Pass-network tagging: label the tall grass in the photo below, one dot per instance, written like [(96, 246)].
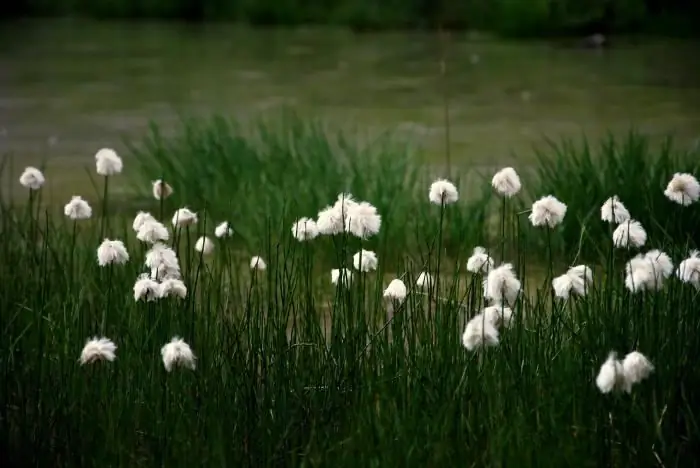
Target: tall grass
[(294, 372)]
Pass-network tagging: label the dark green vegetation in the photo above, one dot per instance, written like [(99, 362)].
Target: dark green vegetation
[(512, 17)]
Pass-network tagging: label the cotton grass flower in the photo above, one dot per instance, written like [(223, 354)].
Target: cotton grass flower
[(163, 262), (152, 231), (204, 245), (689, 269), (480, 261), (184, 217), (332, 219), (683, 189), (636, 367), (443, 192), (305, 229), (161, 190), (223, 230), (142, 218), (146, 289), (365, 261), (648, 271), (506, 182), (362, 220), (498, 315), (112, 252), (173, 288), (77, 208), (108, 162), (613, 211), (425, 280), (177, 353), (32, 178), (501, 285), (547, 211), (257, 263), (479, 333), (396, 291), (629, 234), (98, 349), (342, 276), (611, 375), (576, 280)]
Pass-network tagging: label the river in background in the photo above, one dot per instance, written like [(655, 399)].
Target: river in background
[(68, 87)]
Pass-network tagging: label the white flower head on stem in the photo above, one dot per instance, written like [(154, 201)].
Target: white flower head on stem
[(305, 229), (501, 285), (479, 333), (636, 367), (112, 252), (396, 291), (223, 230), (141, 218), (689, 269), (204, 245), (425, 280), (443, 192), (173, 288), (365, 261), (177, 353), (547, 211), (161, 190), (648, 271), (362, 220), (577, 279), (330, 221), (506, 182), (683, 189), (32, 178), (151, 231), (342, 276), (98, 349), (613, 211), (257, 263), (499, 315), (629, 234), (77, 208), (480, 261), (184, 217), (108, 162), (163, 262), (611, 375), (146, 289)]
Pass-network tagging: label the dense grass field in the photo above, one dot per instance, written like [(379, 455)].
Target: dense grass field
[(293, 365)]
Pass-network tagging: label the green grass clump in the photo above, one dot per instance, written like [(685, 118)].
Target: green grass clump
[(292, 371)]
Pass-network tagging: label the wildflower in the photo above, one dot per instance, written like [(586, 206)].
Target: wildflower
[(223, 230), (152, 231), (362, 220), (112, 251), (184, 217), (330, 221), (648, 271), (146, 289), (501, 285), (611, 375), (506, 182), (689, 269), (257, 263), (635, 367), (661, 263), (577, 280), (341, 276), (77, 208), (204, 245), (683, 189), (547, 211), (108, 162), (141, 218), (613, 211), (163, 262), (98, 349), (480, 261), (173, 287), (32, 178), (161, 190), (425, 280), (304, 229), (499, 315), (365, 261), (396, 291), (479, 333), (629, 233), (177, 353), (443, 192)]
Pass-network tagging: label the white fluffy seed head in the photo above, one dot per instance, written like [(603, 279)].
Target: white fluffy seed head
[(443, 192), (396, 291), (141, 218), (648, 271), (223, 230), (330, 221), (501, 285), (161, 189), (547, 211), (184, 217), (480, 261), (112, 252), (32, 178), (98, 349), (479, 333), (576, 280), (204, 245), (163, 262), (152, 231), (362, 220), (629, 234), (689, 269), (77, 208), (146, 289), (636, 367), (611, 375), (613, 211), (173, 288), (365, 261), (305, 229), (683, 189), (498, 315), (342, 276), (177, 353), (108, 162), (425, 280), (506, 182), (562, 286), (257, 263)]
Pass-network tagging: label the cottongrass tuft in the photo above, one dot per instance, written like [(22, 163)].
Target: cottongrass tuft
[(689, 269), (648, 271), (223, 230), (611, 375), (161, 190), (257, 263), (98, 349), (330, 221), (576, 280), (173, 288), (362, 220), (506, 182), (396, 291), (499, 315), (146, 289), (636, 367), (365, 261), (108, 162), (184, 217), (32, 178), (163, 262), (305, 229), (77, 208), (629, 233), (613, 211), (480, 332), (547, 211), (152, 231), (334, 219), (112, 252), (443, 192), (683, 189), (142, 218), (177, 353), (342, 276), (204, 245), (480, 261), (425, 280), (622, 375), (501, 286)]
